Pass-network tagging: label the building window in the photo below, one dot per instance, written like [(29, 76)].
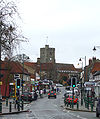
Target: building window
[(50, 53)]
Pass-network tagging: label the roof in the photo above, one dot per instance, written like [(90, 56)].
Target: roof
[(96, 67), (31, 67), (30, 64), (46, 66), (15, 67), (69, 67)]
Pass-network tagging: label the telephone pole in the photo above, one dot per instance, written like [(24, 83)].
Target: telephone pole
[(0, 69)]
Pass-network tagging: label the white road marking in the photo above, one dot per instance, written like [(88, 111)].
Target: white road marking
[(78, 116)]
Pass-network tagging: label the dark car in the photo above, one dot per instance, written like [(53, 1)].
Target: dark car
[(67, 88), (26, 96), (98, 108), (52, 94)]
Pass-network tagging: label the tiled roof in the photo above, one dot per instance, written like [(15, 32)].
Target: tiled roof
[(79, 69), (69, 67), (31, 67), (30, 64), (46, 66), (96, 67), (15, 67)]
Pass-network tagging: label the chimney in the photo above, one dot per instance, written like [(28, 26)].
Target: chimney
[(38, 60), (90, 61), (94, 59)]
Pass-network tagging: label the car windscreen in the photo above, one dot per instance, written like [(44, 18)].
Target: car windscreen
[(27, 93)]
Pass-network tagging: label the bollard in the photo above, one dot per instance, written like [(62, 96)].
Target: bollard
[(18, 105), (81, 101), (22, 105), (91, 106), (77, 104), (15, 104), (72, 103), (88, 105), (67, 103), (0, 105), (10, 106), (6, 102)]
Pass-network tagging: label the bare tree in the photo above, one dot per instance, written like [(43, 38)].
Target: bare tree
[(9, 34), (20, 58)]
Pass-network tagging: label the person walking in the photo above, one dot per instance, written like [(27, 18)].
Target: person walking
[(35, 95)]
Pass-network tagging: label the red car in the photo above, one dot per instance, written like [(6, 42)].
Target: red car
[(70, 97), (52, 94)]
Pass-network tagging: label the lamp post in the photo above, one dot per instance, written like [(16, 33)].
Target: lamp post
[(22, 79), (82, 81), (0, 69), (23, 59), (94, 49), (23, 74), (83, 68)]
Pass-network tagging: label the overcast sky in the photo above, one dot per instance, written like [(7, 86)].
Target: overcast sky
[(72, 27)]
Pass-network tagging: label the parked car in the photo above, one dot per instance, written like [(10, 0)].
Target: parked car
[(76, 91), (59, 85), (26, 96), (67, 88), (52, 94), (67, 93), (98, 108), (70, 98)]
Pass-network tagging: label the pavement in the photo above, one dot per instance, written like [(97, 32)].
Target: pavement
[(6, 110), (81, 107)]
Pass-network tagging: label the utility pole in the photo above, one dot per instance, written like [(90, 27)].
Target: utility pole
[(0, 69), (22, 80)]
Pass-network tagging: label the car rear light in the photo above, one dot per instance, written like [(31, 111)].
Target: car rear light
[(48, 93), (55, 94), (22, 95)]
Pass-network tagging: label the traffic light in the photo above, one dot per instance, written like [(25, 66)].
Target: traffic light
[(22, 83), (18, 83), (74, 82)]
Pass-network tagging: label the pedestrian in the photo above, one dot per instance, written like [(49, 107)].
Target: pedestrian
[(57, 89), (44, 91), (35, 95), (41, 92)]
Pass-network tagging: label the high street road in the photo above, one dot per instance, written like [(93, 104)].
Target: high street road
[(52, 108)]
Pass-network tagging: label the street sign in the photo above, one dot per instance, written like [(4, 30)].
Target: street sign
[(16, 76)]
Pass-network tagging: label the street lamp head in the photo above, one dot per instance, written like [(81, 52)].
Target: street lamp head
[(94, 49), (80, 59)]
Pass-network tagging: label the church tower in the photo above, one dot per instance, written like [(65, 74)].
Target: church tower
[(47, 54)]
